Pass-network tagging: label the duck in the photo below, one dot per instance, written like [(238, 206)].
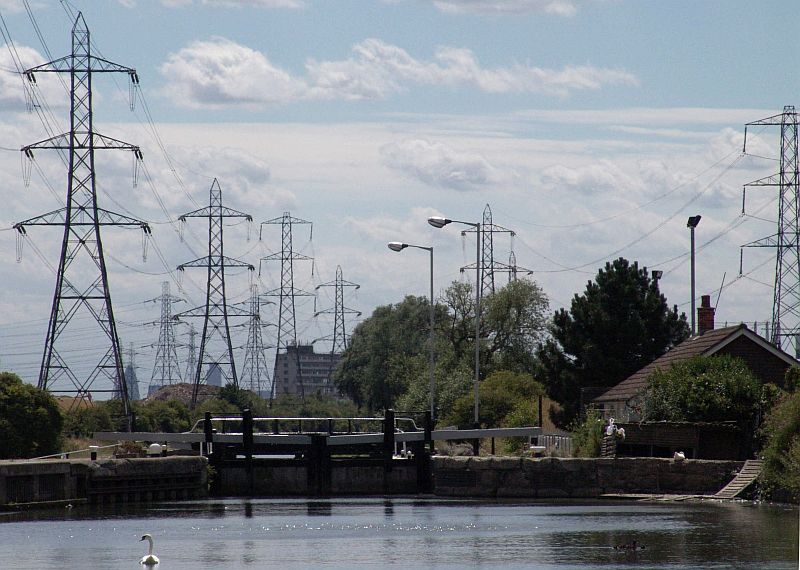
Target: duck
[(151, 559), (632, 546)]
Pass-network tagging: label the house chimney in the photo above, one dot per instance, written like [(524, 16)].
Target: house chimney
[(705, 315)]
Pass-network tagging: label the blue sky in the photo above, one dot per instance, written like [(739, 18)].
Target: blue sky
[(593, 128)]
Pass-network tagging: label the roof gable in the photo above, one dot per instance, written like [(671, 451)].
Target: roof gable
[(706, 344)]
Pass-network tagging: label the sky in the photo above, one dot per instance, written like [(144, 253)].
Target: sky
[(592, 128)]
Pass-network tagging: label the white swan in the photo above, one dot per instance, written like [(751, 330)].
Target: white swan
[(151, 559)]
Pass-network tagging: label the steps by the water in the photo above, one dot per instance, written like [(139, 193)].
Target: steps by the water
[(749, 473)]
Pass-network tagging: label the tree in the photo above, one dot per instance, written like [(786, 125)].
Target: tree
[(781, 452), (386, 362), (382, 356), (30, 421), (503, 395), (620, 323), (704, 389)]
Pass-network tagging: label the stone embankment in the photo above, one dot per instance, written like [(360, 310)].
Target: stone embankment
[(496, 477), (101, 481)]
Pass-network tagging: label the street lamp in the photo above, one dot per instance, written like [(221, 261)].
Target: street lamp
[(692, 224), (400, 246), (440, 222)]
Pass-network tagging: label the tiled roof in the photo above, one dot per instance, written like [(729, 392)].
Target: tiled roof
[(693, 346)]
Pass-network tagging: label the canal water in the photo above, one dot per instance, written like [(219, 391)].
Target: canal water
[(403, 533)]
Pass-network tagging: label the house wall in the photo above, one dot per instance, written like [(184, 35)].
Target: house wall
[(766, 367)]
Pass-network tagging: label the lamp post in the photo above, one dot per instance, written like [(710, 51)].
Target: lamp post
[(692, 224), (440, 222), (400, 246)]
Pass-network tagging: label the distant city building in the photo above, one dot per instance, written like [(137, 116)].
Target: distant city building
[(315, 371), (214, 375)]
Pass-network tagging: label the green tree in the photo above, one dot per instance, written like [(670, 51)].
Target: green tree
[(704, 389), (620, 323), (781, 452), (30, 421), (503, 395), (169, 416), (379, 362)]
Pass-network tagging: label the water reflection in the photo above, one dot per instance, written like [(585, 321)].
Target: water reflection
[(319, 508), (413, 534)]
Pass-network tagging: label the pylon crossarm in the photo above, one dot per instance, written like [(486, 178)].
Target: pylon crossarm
[(94, 64), (769, 241), (54, 218), (281, 256), (771, 180), (293, 292), (65, 141), (205, 261), (773, 120)]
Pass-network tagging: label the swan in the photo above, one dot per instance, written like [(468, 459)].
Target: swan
[(151, 559)]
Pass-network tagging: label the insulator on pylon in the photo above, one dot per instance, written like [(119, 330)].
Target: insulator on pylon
[(741, 258), (19, 244), (136, 160), (133, 85), (181, 228), (744, 193), (145, 245), (249, 228), (27, 166)]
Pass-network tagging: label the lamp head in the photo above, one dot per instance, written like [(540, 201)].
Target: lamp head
[(438, 221), (693, 221), (397, 246)]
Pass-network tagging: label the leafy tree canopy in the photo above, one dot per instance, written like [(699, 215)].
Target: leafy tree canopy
[(704, 389), (30, 421), (620, 323), (386, 364), (503, 396), (781, 452)]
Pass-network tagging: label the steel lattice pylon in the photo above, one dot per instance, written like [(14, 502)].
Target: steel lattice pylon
[(130, 375), (216, 350), (255, 372), (286, 293), (338, 339), (191, 361), (82, 278), (166, 369), (488, 265), (786, 301)]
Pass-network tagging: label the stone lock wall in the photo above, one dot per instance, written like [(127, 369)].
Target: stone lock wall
[(577, 478)]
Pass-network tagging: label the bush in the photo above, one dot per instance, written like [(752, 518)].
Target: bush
[(500, 395), (30, 420), (704, 389), (587, 435), (781, 452)]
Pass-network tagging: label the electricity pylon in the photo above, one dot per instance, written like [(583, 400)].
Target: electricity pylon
[(216, 350), (130, 375), (191, 361), (166, 369), (286, 293), (488, 265), (82, 278), (255, 372), (786, 299), (338, 339)]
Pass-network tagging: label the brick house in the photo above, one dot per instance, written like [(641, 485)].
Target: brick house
[(769, 363)]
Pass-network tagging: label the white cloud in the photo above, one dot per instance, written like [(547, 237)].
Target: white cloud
[(220, 72), (437, 164), (555, 7), (12, 92)]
